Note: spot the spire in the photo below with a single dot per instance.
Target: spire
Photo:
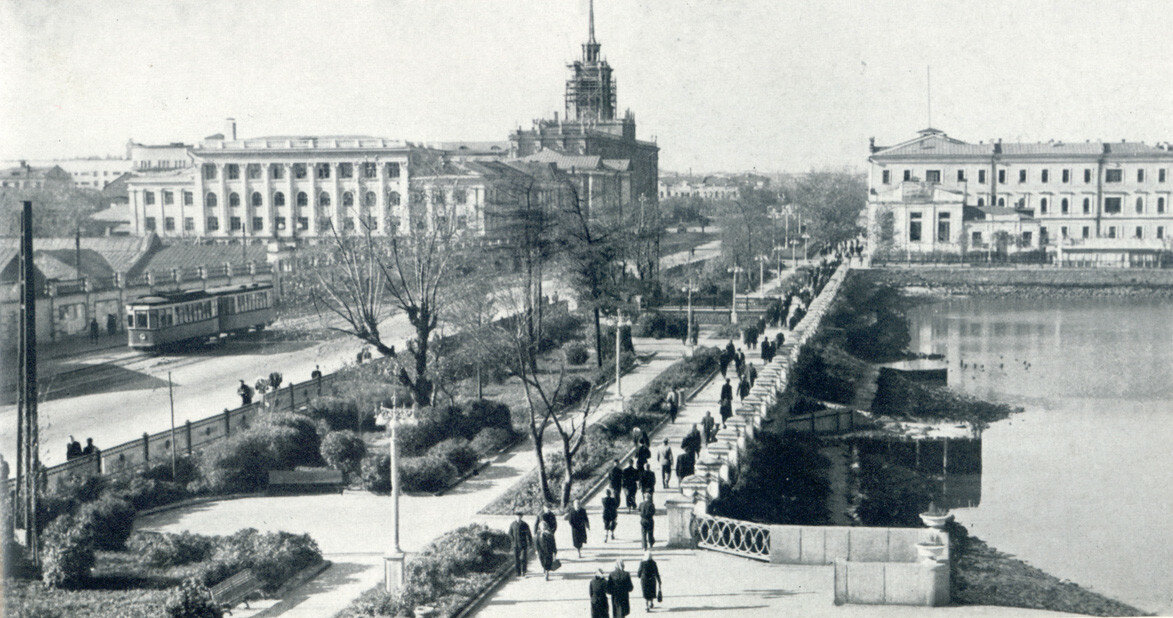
(591, 38)
(590, 49)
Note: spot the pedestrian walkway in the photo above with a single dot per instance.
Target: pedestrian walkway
(352, 529)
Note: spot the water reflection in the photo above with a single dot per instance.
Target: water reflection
(1081, 483)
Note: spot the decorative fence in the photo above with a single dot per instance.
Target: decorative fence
(743, 538)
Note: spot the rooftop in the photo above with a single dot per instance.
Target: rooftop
(935, 143)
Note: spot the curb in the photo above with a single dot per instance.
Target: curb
(193, 501)
(503, 575)
(295, 581)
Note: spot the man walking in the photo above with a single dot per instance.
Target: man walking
(630, 484)
(742, 388)
(610, 514)
(615, 478)
(692, 442)
(726, 390)
(620, 586)
(708, 423)
(647, 522)
(670, 400)
(685, 465)
(521, 538)
(579, 524)
(665, 459)
(647, 480)
(726, 411)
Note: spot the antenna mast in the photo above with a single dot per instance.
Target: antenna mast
(929, 92)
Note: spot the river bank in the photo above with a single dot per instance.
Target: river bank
(1025, 282)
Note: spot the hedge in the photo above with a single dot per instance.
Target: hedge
(67, 553)
(344, 451)
(168, 550)
(109, 521)
(427, 473)
(457, 452)
(273, 557)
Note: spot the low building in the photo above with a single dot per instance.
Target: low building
(927, 218)
(28, 177)
(707, 188)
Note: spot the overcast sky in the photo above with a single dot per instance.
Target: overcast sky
(721, 85)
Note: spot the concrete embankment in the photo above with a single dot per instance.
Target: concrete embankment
(1028, 281)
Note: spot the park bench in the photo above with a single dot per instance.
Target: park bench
(235, 589)
(306, 479)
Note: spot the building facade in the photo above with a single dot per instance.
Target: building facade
(1073, 191)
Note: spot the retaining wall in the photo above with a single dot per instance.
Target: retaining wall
(1019, 277)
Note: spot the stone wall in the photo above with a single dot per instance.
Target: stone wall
(954, 277)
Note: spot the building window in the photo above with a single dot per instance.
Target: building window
(325, 223)
(1064, 206)
(981, 202)
(1087, 232)
(1087, 206)
(234, 223)
(299, 170)
(303, 199)
(975, 239)
(907, 175)
(303, 223)
(914, 221)
(1161, 175)
(253, 171)
(210, 171)
(1113, 175)
(1001, 177)
(1140, 205)
(258, 223)
(438, 197)
(323, 199)
(148, 197)
(257, 200)
(1002, 201)
(169, 224)
(886, 177)
(210, 200)
(460, 196)
(1112, 205)
(1021, 176)
(933, 176)
(322, 170)
(1139, 232)
(232, 171)
(1111, 231)
(213, 224)
(233, 200)
(149, 224)
(276, 171)
(278, 199)
(369, 199)
(370, 170)
(1066, 176)
(943, 227)
(1160, 205)
(347, 199)
(345, 170)
(393, 198)
(1026, 238)
(279, 223)
(168, 197)
(960, 175)
(393, 170)
(1043, 206)
(1160, 231)
(1063, 231)
(188, 224)
(1140, 178)
(188, 198)
(981, 177)
(1046, 175)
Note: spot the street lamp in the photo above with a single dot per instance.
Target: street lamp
(394, 572)
(733, 313)
(620, 322)
(805, 240)
(690, 288)
(762, 259)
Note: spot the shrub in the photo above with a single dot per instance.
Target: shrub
(336, 412)
(488, 413)
(558, 328)
(273, 557)
(108, 520)
(148, 493)
(191, 599)
(242, 462)
(660, 326)
(67, 554)
(426, 473)
(573, 391)
(376, 472)
(164, 549)
(343, 451)
(304, 449)
(458, 453)
(728, 331)
(490, 439)
(186, 471)
(416, 438)
(782, 481)
(620, 424)
(577, 354)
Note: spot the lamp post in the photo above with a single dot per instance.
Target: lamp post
(733, 308)
(762, 259)
(805, 240)
(394, 572)
(620, 322)
(690, 288)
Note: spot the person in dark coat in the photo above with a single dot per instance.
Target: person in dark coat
(547, 548)
(647, 522)
(726, 390)
(708, 423)
(647, 480)
(639, 437)
(548, 517)
(664, 456)
(600, 607)
(725, 360)
(630, 484)
(753, 375)
(742, 388)
(691, 443)
(649, 579)
(726, 411)
(94, 329)
(615, 478)
(246, 393)
(521, 538)
(671, 400)
(73, 449)
(740, 362)
(579, 524)
(91, 448)
(620, 587)
(779, 339)
(642, 455)
(610, 514)
(685, 465)
(730, 350)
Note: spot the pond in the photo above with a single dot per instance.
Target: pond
(1081, 483)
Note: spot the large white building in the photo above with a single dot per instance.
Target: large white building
(1068, 191)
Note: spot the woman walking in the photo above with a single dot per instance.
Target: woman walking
(579, 524)
(649, 581)
(546, 547)
(619, 583)
(599, 605)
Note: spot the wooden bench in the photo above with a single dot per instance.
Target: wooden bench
(305, 479)
(235, 589)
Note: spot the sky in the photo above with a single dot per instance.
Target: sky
(729, 85)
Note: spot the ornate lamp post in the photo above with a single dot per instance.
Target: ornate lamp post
(733, 308)
(762, 259)
(394, 571)
(689, 289)
(620, 322)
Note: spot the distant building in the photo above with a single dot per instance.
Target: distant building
(144, 157)
(25, 176)
(707, 188)
(1046, 194)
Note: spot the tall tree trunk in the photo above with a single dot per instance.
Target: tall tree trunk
(598, 339)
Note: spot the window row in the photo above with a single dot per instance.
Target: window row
(370, 199)
(167, 197)
(276, 171)
(1113, 231)
(1112, 175)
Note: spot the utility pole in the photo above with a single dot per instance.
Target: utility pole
(171, 398)
(27, 421)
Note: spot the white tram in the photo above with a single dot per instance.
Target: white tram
(160, 320)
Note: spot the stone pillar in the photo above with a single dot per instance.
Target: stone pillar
(267, 200)
(934, 582)
(381, 205)
(394, 573)
(679, 522)
(336, 199)
(225, 211)
(291, 201)
(201, 216)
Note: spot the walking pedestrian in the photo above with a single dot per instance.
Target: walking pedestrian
(620, 586)
(647, 480)
(547, 548)
(647, 522)
(649, 581)
(521, 538)
(615, 478)
(726, 390)
(685, 465)
(740, 361)
(630, 484)
(642, 455)
(93, 329)
(246, 393)
(725, 360)
(730, 350)
(753, 374)
(579, 524)
(726, 411)
(691, 443)
(671, 401)
(709, 423)
(665, 458)
(742, 388)
(547, 517)
(779, 339)
(610, 514)
(639, 437)
(600, 607)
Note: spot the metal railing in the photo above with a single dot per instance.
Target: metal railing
(743, 538)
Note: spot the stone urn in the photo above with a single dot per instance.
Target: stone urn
(935, 518)
(929, 551)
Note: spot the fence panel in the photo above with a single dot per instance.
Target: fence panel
(736, 537)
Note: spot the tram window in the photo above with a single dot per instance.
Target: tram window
(140, 319)
(153, 319)
(130, 320)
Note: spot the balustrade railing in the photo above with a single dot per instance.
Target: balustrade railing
(744, 538)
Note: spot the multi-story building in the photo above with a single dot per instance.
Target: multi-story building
(145, 157)
(1071, 190)
(707, 188)
(28, 177)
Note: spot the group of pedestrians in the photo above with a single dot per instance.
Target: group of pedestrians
(618, 586)
(74, 449)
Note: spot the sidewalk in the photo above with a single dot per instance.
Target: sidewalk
(352, 529)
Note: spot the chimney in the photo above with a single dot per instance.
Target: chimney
(230, 128)
(998, 146)
(872, 144)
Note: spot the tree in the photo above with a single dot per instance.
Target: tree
(59, 209)
(830, 202)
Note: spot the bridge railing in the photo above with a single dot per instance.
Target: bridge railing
(744, 538)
